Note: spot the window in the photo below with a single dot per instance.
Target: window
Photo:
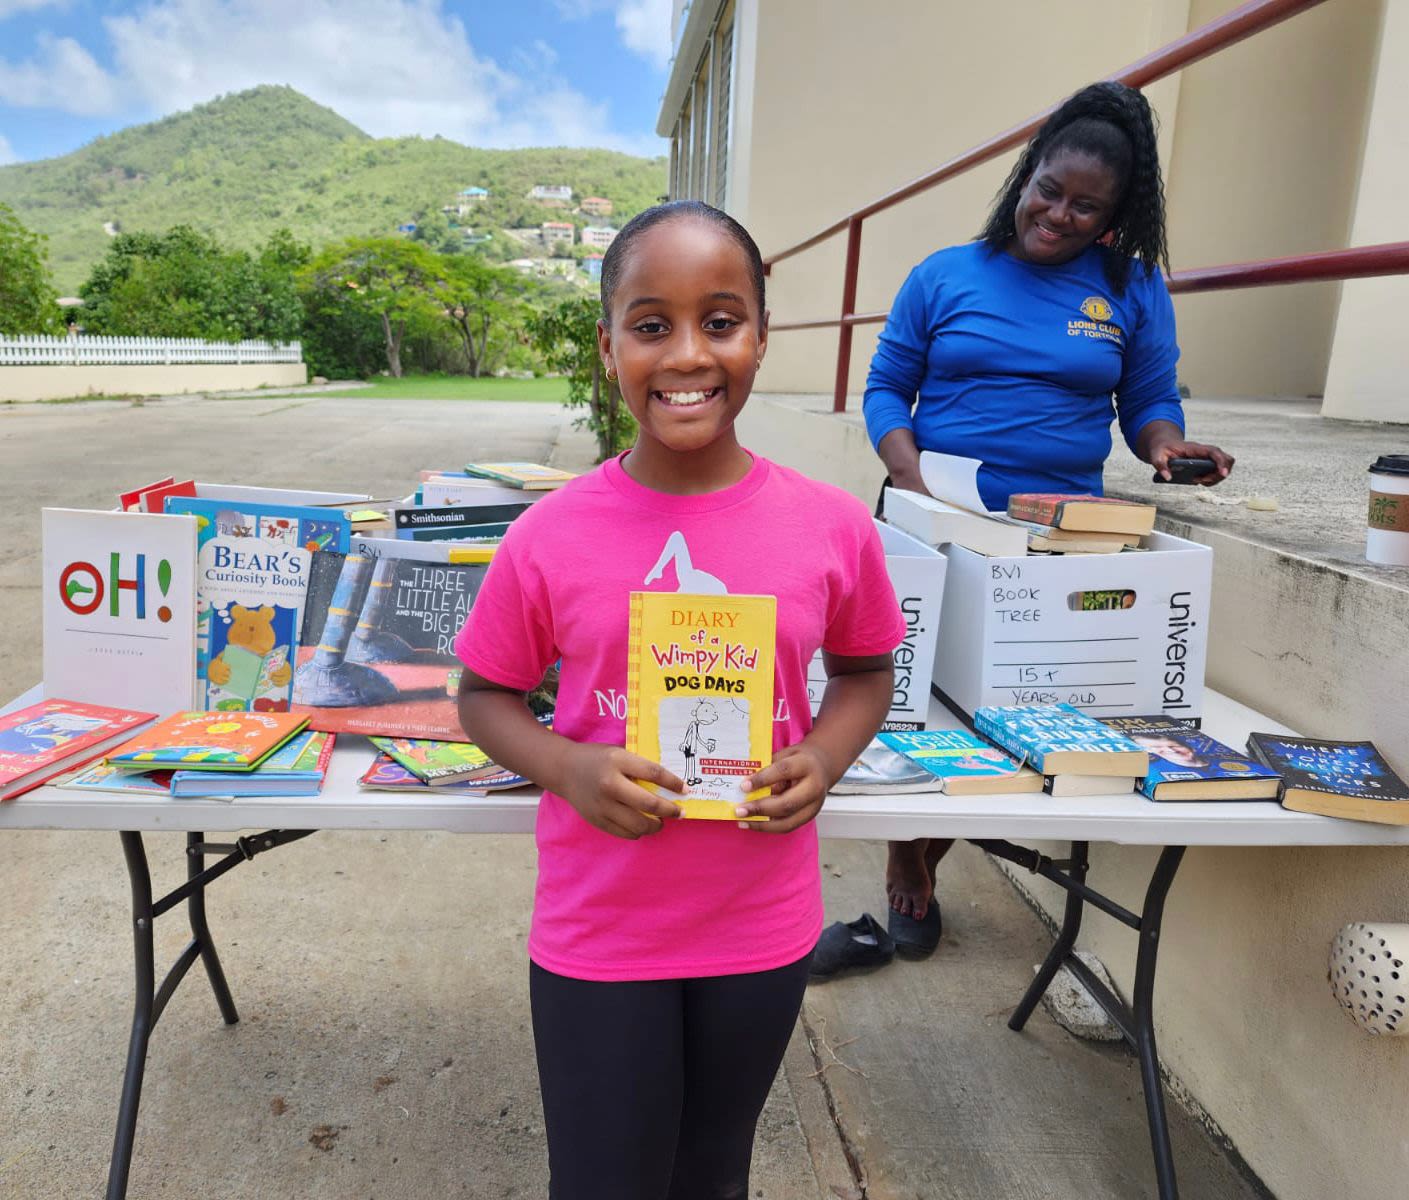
(699, 145)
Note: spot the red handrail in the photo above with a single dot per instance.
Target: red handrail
(1242, 22)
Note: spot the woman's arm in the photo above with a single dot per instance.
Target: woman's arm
(902, 459)
(597, 780)
(1159, 441)
(856, 701)
(893, 381)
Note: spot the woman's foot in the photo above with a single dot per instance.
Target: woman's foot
(909, 878)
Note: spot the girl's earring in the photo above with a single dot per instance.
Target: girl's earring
(611, 375)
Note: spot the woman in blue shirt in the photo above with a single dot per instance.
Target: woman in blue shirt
(1020, 347)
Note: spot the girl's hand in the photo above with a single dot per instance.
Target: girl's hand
(601, 785)
(799, 779)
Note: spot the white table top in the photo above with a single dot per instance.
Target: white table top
(1130, 820)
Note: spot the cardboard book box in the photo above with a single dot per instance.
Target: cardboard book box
(917, 573)
(1111, 634)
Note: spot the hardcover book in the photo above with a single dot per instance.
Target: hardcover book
(45, 740)
(963, 764)
(252, 565)
(700, 693)
(936, 524)
(297, 768)
(208, 741)
(119, 601)
(470, 493)
(1097, 514)
(377, 651)
(446, 520)
(1058, 739)
(100, 777)
(1335, 779)
(435, 762)
(530, 477)
(1186, 764)
(131, 501)
(387, 775)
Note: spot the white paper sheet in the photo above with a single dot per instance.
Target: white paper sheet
(953, 479)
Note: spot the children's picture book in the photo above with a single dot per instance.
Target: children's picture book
(208, 741)
(700, 693)
(1186, 764)
(297, 768)
(387, 775)
(470, 493)
(101, 777)
(962, 763)
(118, 593)
(131, 501)
(1335, 779)
(153, 499)
(1098, 514)
(377, 651)
(1057, 739)
(435, 762)
(252, 564)
(879, 770)
(45, 740)
(530, 477)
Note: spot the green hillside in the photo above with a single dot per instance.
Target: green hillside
(246, 164)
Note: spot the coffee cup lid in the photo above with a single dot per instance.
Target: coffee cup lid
(1391, 464)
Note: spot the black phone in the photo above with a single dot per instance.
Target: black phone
(1186, 470)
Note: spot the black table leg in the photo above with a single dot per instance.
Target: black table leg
(1136, 1020)
(151, 1000)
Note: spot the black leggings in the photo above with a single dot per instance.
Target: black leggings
(652, 1089)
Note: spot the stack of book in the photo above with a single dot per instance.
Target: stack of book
(1077, 754)
(1062, 524)
(449, 768)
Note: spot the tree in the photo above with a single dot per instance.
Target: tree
(566, 335)
(480, 300)
(27, 296)
(181, 283)
(391, 278)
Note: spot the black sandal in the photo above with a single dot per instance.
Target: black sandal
(916, 939)
(859, 945)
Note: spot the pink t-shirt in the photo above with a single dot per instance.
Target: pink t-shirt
(700, 897)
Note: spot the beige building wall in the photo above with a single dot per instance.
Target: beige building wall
(59, 383)
(1369, 371)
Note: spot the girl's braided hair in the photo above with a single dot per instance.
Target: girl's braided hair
(1114, 125)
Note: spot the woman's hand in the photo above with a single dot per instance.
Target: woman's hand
(1164, 450)
(601, 784)
(799, 779)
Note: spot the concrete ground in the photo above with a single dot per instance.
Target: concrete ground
(384, 1048)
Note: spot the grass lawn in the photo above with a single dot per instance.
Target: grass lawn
(460, 387)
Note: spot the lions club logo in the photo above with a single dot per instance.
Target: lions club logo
(1096, 309)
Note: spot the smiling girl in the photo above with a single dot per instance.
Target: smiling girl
(669, 957)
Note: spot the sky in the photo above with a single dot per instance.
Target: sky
(482, 72)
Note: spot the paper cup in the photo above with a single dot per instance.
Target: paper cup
(1387, 539)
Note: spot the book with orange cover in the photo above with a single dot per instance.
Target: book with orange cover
(699, 697)
(1089, 514)
(209, 741)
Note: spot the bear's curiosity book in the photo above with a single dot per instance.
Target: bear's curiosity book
(700, 693)
(252, 571)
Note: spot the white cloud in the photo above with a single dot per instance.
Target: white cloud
(7, 152)
(644, 26)
(392, 67)
(62, 75)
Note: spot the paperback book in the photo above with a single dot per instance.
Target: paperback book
(1058, 739)
(208, 741)
(700, 693)
(963, 764)
(45, 740)
(937, 523)
(530, 477)
(879, 770)
(377, 651)
(1335, 779)
(100, 777)
(1186, 764)
(387, 775)
(252, 567)
(118, 595)
(297, 768)
(435, 762)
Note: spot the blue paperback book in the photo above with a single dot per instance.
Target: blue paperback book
(1335, 779)
(1058, 739)
(1187, 764)
(962, 763)
(252, 568)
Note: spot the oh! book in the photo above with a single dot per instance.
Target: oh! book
(700, 693)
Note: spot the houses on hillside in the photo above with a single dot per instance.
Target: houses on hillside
(555, 195)
(599, 237)
(596, 206)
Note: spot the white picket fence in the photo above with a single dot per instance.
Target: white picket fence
(37, 350)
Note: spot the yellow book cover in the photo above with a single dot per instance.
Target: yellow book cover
(700, 693)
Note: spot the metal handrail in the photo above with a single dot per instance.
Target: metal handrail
(1235, 26)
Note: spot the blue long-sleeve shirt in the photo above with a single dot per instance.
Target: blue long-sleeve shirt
(1023, 366)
